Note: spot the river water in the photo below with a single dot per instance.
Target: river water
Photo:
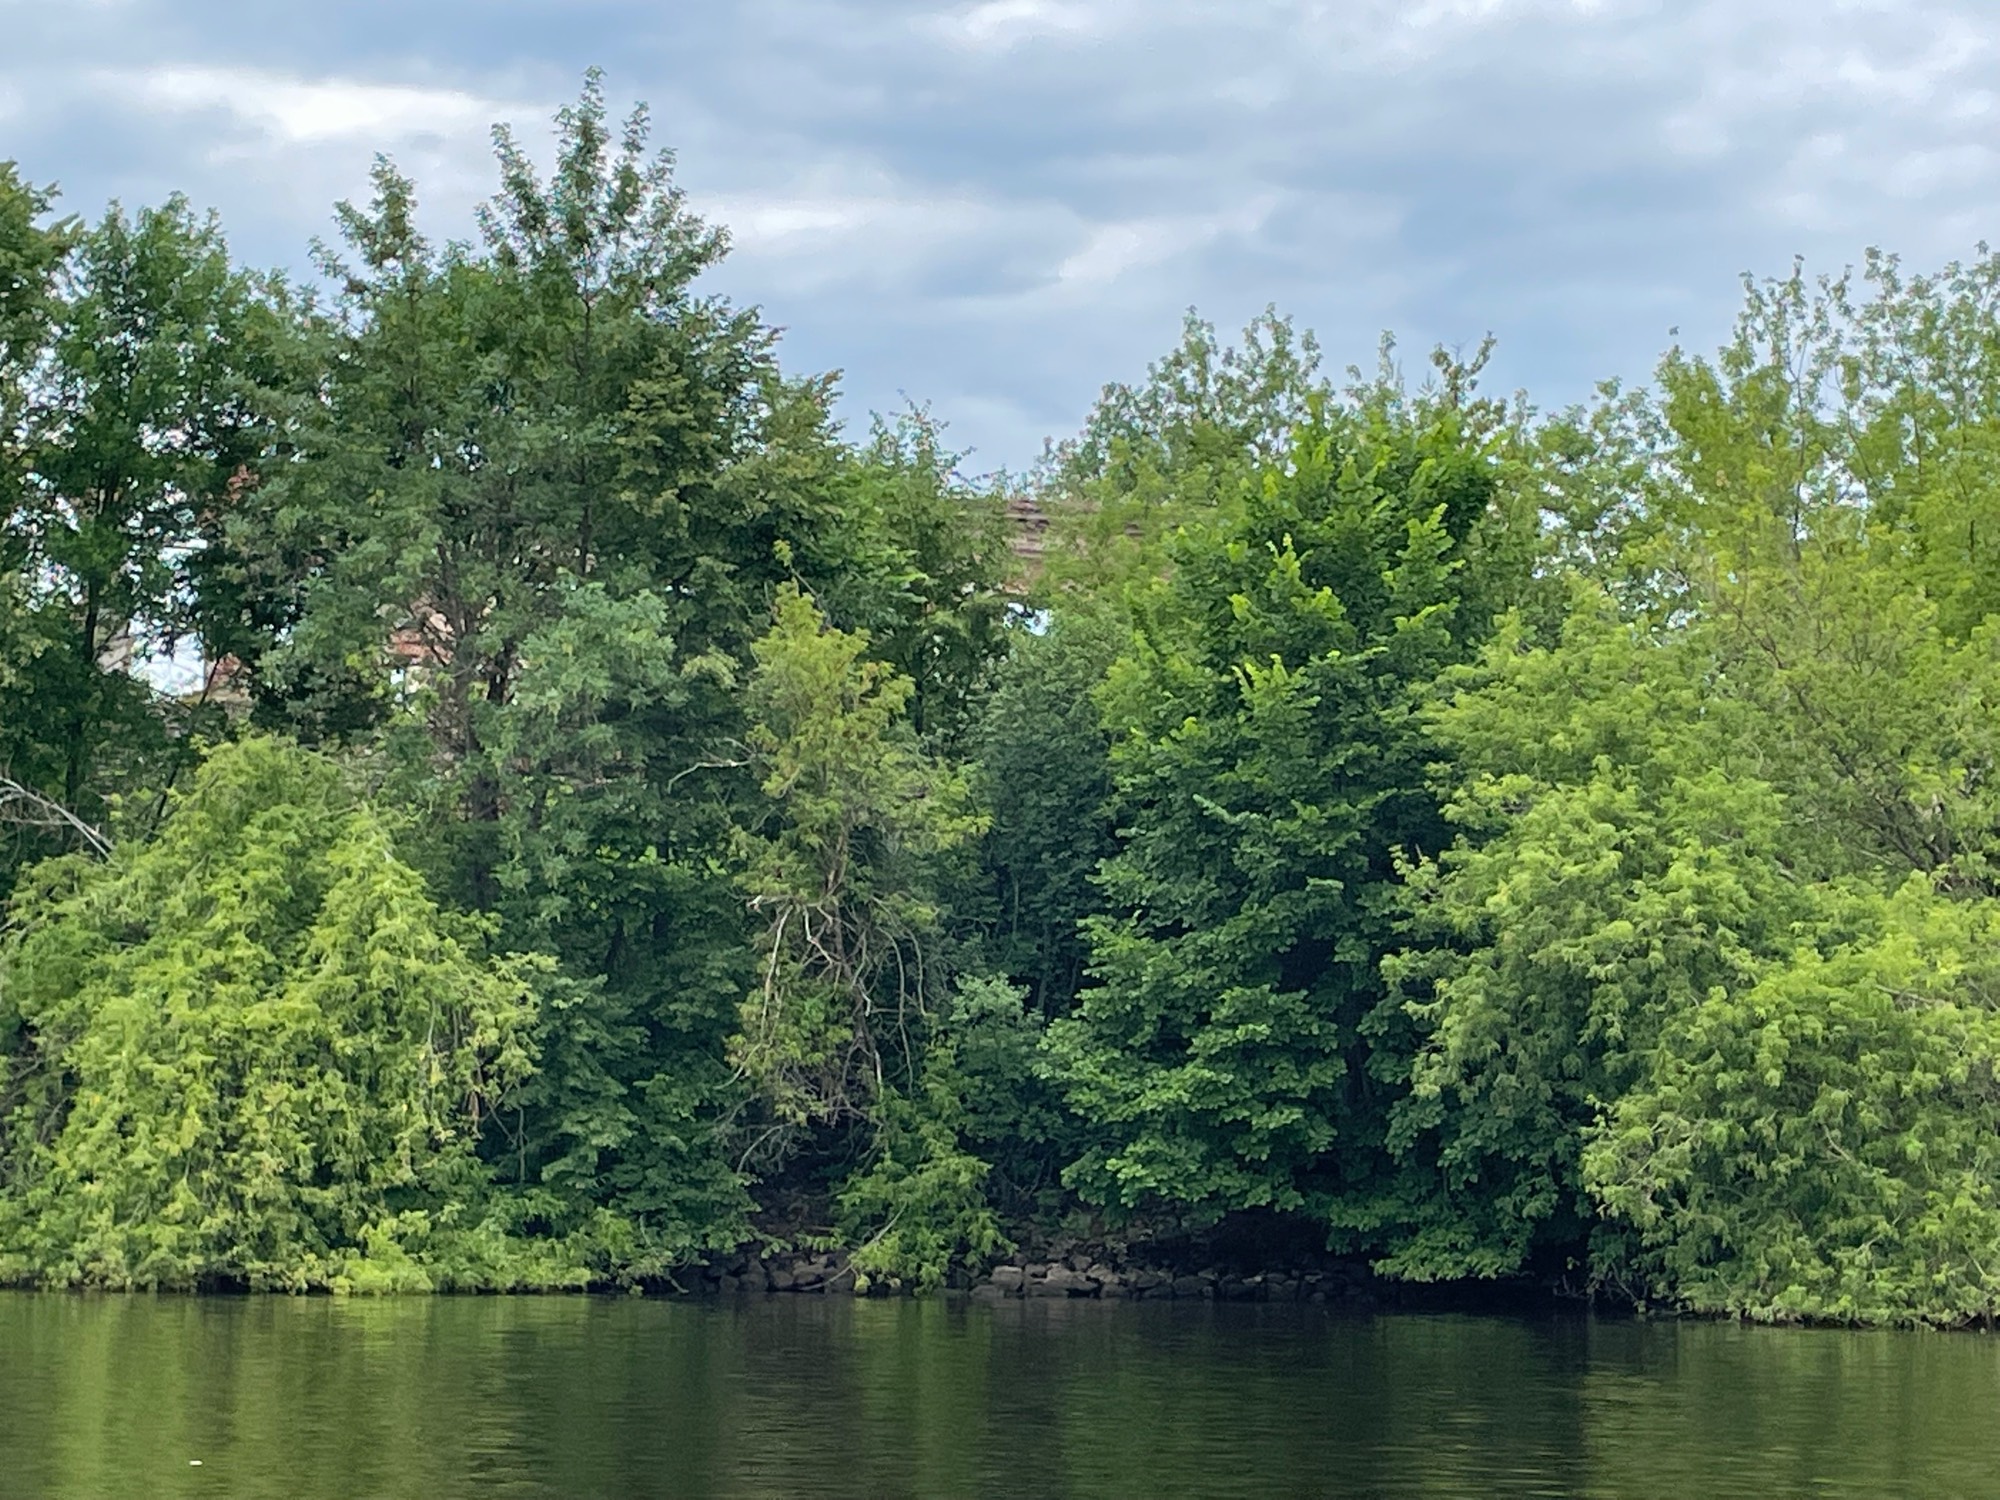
(806, 1396)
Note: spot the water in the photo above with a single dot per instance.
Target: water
(578, 1398)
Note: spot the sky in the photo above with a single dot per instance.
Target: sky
(995, 207)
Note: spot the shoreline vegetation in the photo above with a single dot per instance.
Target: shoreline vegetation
(1308, 826)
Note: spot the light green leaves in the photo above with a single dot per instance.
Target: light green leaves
(1825, 1142)
(251, 1051)
(840, 874)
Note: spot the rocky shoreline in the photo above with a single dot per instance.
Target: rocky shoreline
(1082, 1274)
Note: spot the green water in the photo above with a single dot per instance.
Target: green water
(313, 1400)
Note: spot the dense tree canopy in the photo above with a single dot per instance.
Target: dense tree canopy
(251, 1049)
(620, 815)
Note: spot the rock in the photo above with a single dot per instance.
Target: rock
(1064, 1267)
(1062, 1282)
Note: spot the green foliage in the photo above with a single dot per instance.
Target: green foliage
(32, 251)
(252, 1050)
(1822, 1143)
(1617, 865)
(929, 561)
(1507, 845)
(842, 1026)
(839, 875)
(129, 362)
(1171, 450)
(919, 1206)
(1267, 762)
(1044, 774)
(1013, 1112)
(1701, 969)
(538, 507)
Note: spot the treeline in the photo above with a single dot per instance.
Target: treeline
(621, 813)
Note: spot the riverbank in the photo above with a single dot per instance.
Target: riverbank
(1080, 1274)
(1106, 1273)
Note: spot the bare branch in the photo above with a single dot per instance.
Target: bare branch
(43, 812)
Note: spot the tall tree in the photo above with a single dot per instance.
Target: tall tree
(32, 251)
(1172, 448)
(1721, 863)
(141, 411)
(1237, 1051)
(1617, 860)
(537, 515)
(1044, 773)
(850, 963)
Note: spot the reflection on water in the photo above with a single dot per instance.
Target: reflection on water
(575, 1398)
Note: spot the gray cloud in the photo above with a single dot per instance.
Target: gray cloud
(998, 205)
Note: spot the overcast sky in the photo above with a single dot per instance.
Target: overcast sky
(995, 207)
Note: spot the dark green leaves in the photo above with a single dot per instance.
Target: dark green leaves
(1266, 763)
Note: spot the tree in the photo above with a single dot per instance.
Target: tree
(138, 413)
(926, 572)
(1821, 1144)
(32, 251)
(253, 1050)
(1171, 449)
(1705, 834)
(1268, 762)
(534, 519)
(839, 875)
(1044, 773)
(1618, 861)
(919, 1205)
(31, 255)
